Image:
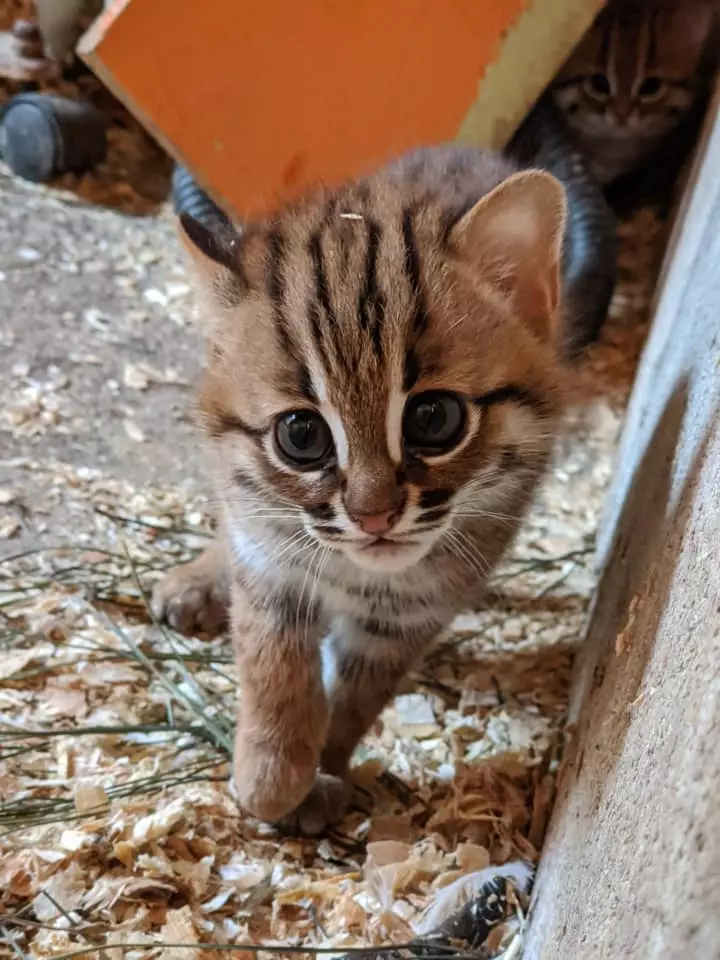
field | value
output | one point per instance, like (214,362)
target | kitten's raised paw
(326,803)
(193,598)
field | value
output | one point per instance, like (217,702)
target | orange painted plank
(262,99)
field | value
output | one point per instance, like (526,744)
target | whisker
(469,552)
(313,590)
(484,564)
(318,550)
(268,516)
(295,544)
(484,515)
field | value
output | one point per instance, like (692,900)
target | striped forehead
(349,304)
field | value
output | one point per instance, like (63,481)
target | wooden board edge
(95,33)
(89,56)
(523,69)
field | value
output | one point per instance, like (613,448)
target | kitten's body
(637,81)
(436,278)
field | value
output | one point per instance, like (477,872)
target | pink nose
(376,523)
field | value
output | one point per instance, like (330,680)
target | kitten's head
(638,70)
(382,364)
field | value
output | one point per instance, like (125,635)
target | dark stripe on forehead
(606,42)
(411,373)
(324,305)
(414,272)
(316,331)
(651,57)
(512,394)
(371,301)
(321,285)
(412,256)
(305,385)
(276,254)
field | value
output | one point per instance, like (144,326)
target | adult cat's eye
(433,422)
(303,438)
(652,88)
(597,86)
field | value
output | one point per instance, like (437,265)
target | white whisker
(317,552)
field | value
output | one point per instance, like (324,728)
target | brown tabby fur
(440,272)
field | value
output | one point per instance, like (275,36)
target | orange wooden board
(262,99)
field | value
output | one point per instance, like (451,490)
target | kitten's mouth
(387,554)
(386,546)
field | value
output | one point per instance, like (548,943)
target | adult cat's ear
(512,238)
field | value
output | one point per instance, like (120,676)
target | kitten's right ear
(513,237)
(210,250)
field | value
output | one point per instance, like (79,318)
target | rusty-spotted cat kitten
(634,85)
(382,389)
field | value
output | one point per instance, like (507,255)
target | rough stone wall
(631,866)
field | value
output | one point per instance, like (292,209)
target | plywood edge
(87,50)
(531,53)
(99,27)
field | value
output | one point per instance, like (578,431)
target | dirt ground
(98,349)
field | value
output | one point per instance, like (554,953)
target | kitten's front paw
(193,598)
(326,803)
(269,783)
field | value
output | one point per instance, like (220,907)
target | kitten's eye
(433,422)
(303,438)
(597,86)
(651,89)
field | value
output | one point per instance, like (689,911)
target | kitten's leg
(366,671)
(282,710)
(195,597)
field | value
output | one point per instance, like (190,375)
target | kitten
(382,389)
(639,76)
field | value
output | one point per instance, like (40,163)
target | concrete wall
(631,866)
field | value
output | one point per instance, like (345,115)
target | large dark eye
(598,86)
(303,438)
(652,88)
(433,422)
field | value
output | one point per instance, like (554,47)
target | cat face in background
(637,73)
(382,370)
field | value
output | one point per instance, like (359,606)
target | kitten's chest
(416,595)
(612,154)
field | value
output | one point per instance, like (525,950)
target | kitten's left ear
(210,250)
(513,239)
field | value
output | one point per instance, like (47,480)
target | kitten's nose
(376,524)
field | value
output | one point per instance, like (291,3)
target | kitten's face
(372,389)
(636,73)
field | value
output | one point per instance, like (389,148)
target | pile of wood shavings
(115,818)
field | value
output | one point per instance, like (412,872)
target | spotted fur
(439,273)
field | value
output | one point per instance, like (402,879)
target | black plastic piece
(590,247)
(190,199)
(44,135)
